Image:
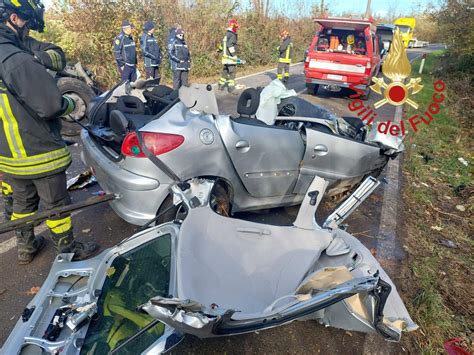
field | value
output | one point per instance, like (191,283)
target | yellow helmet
(350,39)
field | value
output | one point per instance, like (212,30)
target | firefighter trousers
(52,192)
(283,71)
(7,195)
(228,77)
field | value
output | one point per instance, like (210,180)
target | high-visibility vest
(287,56)
(227,57)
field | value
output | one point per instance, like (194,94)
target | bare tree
(392,10)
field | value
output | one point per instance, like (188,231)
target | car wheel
(312,89)
(366,94)
(82,94)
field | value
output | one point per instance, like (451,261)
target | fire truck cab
(344,53)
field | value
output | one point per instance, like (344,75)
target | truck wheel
(312,89)
(82,94)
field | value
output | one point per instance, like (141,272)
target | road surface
(101,224)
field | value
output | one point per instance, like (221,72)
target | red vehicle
(344,53)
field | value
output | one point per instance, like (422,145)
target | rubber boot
(65,243)
(28,245)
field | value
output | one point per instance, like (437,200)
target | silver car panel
(266,158)
(347,288)
(334,157)
(26,337)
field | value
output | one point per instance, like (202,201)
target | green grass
(435,183)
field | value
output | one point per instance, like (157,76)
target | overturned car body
(212,276)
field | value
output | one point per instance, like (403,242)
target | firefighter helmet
(29,10)
(284,34)
(350,39)
(233,25)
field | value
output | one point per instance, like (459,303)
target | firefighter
(229,57)
(151,51)
(284,59)
(32,153)
(125,52)
(180,60)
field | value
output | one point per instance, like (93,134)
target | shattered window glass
(132,279)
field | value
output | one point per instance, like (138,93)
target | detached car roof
(339,23)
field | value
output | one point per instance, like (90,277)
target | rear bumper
(140,196)
(342,84)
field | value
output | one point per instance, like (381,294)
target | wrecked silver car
(212,276)
(258,165)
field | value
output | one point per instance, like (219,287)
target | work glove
(69,105)
(50,59)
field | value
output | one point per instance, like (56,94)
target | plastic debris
(98,193)
(463,161)
(457,346)
(460,208)
(80,181)
(448,243)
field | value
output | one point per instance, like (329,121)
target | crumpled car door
(266,158)
(331,156)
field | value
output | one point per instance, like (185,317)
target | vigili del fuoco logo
(397,69)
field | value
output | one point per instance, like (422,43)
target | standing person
(284,59)
(151,51)
(171,38)
(229,57)
(125,53)
(32,151)
(180,60)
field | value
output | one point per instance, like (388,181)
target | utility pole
(367,10)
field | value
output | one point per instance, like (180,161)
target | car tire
(82,94)
(366,95)
(312,89)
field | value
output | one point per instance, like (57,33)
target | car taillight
(156,143)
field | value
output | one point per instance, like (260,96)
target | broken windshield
(132,279)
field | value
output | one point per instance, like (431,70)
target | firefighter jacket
(124,50)
(179,55)
(229,48)
(151,50)
(31,145)
(285,49)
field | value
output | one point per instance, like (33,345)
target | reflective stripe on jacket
(124,49)
(285,50)
(179,52)
(229,48)
(31,145)
(151,50)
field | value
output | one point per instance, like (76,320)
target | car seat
(247,107)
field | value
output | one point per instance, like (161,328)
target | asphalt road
(102,225)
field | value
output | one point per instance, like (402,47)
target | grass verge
(438,205)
